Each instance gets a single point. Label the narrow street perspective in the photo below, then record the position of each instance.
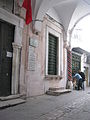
(44, 59)
(71, 106)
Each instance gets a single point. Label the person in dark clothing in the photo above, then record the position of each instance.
(83, 78)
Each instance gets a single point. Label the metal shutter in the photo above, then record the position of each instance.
(52, 55)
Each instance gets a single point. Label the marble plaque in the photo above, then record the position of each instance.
(33, 42)
(31, 59)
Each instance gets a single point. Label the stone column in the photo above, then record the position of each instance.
(16, 68)
(69, 60)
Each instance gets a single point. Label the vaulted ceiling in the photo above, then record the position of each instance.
(67, 12)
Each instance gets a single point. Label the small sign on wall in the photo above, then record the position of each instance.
(9, 54)
(33, 42)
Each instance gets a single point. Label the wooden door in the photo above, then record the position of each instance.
(6, 52)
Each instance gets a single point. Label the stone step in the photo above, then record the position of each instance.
(9, 97)
(12, 102)
(58, 92)
(56, 88)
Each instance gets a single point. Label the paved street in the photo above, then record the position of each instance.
(69, 106)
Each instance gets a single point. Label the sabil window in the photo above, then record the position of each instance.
(54, 52)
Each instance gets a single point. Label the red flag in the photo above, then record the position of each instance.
(27, 5)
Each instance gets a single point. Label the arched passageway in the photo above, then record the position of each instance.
(80, 47)
(52, 21)
(80, 34)
(56, 19)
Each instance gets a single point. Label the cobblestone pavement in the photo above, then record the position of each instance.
(70, 106)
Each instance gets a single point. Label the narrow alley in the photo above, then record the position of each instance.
(70, 106)
(37, 58)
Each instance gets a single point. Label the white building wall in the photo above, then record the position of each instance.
(37, 80)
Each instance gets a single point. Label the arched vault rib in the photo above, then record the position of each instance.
(82, 10)
(48, 4)
(68, 11)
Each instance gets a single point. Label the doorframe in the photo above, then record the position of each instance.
(17, 45)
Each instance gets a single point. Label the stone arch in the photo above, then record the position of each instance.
(79, 20)
(69, 32)
(44, 7)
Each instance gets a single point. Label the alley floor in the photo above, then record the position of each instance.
(70, 106)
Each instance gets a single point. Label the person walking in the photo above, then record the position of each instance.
(83, 78)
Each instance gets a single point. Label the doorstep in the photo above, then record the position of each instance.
(58, 92)
(11, 100)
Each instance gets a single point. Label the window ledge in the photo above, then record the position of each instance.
(53, 77)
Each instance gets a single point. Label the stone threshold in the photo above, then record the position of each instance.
(58, 92)
(10, 103)
(11, 100)
(9, 97)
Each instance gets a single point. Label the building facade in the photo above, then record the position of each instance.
(33, 57)
(31, 61)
